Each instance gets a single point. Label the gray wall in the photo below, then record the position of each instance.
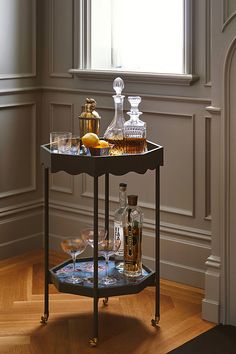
(175, 116)
(20, 112)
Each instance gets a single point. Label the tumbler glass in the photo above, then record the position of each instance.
(54, 140)
(64, 143)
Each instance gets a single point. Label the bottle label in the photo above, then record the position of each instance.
(132, 245)
(119, 235)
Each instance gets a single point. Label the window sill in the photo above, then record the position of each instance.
(163, 79)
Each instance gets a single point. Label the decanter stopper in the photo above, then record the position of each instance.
(118, 85)
(134, 103)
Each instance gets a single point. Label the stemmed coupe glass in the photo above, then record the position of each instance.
(88, 235)
(74, 247)
(106, 248)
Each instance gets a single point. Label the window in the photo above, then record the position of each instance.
(149, 38)
(142, 36)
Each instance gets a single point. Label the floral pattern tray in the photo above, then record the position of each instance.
(84, 269)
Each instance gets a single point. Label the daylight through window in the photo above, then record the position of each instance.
(138, 36)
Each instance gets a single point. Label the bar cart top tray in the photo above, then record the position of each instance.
(84, 266)
(96, 166)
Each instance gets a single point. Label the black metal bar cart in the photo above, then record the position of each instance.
(97, 166)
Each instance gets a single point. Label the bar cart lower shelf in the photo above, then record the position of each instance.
(97, 166)
(123, 286)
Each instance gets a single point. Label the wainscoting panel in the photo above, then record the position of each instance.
(61, 119)
(21, 230)
(18, 142)
(17, 38)
(61, 36)
(229, 12)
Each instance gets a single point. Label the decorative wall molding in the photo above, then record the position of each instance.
(211, 302)
(21, 246)
(21, 216)
(52, 72)
(33, 54)
(217, 304)
(227, 16)
(69, 189)
(213, 110)
(139, 78)
(52, 104)
(21, 230)
(208, 43)
(198, 100)
(188, 234)
(11, 91)
(213, 262)
(227, 261)
(208, 168)
(182, 273)
(20, 208)
(168, 230)
(32, 186)
(4, 244)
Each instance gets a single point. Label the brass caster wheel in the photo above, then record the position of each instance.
(155, 321)
(93, 342)
(105, 301)
(44, 319)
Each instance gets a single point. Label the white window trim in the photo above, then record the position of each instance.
(171, 79)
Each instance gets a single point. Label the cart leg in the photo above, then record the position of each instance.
(44, 318)
(107, 203)
(156, 320)
(105, 301)
(94, 340)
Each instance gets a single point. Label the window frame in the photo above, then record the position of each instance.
(84, 59)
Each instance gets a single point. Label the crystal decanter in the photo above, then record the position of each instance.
(135, 129)
(115, 131)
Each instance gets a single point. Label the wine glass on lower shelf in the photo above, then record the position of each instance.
(74, 247)
(106, 248)
(88, 235)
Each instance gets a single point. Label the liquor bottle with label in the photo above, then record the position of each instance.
(118, 226)
(115, 131)
(135, 129)
(133, 221)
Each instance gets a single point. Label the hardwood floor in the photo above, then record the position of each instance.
(124, 324)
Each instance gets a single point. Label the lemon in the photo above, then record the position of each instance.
(90, 140)
(102, 144)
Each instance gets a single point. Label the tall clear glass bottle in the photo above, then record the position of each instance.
(115, 131)
(135, 129)
(133, 222)
(118, 225)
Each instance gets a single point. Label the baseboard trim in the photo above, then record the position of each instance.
(20, 246)
(210, 310)
(211, 302)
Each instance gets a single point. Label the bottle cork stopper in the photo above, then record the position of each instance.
(132, 200)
